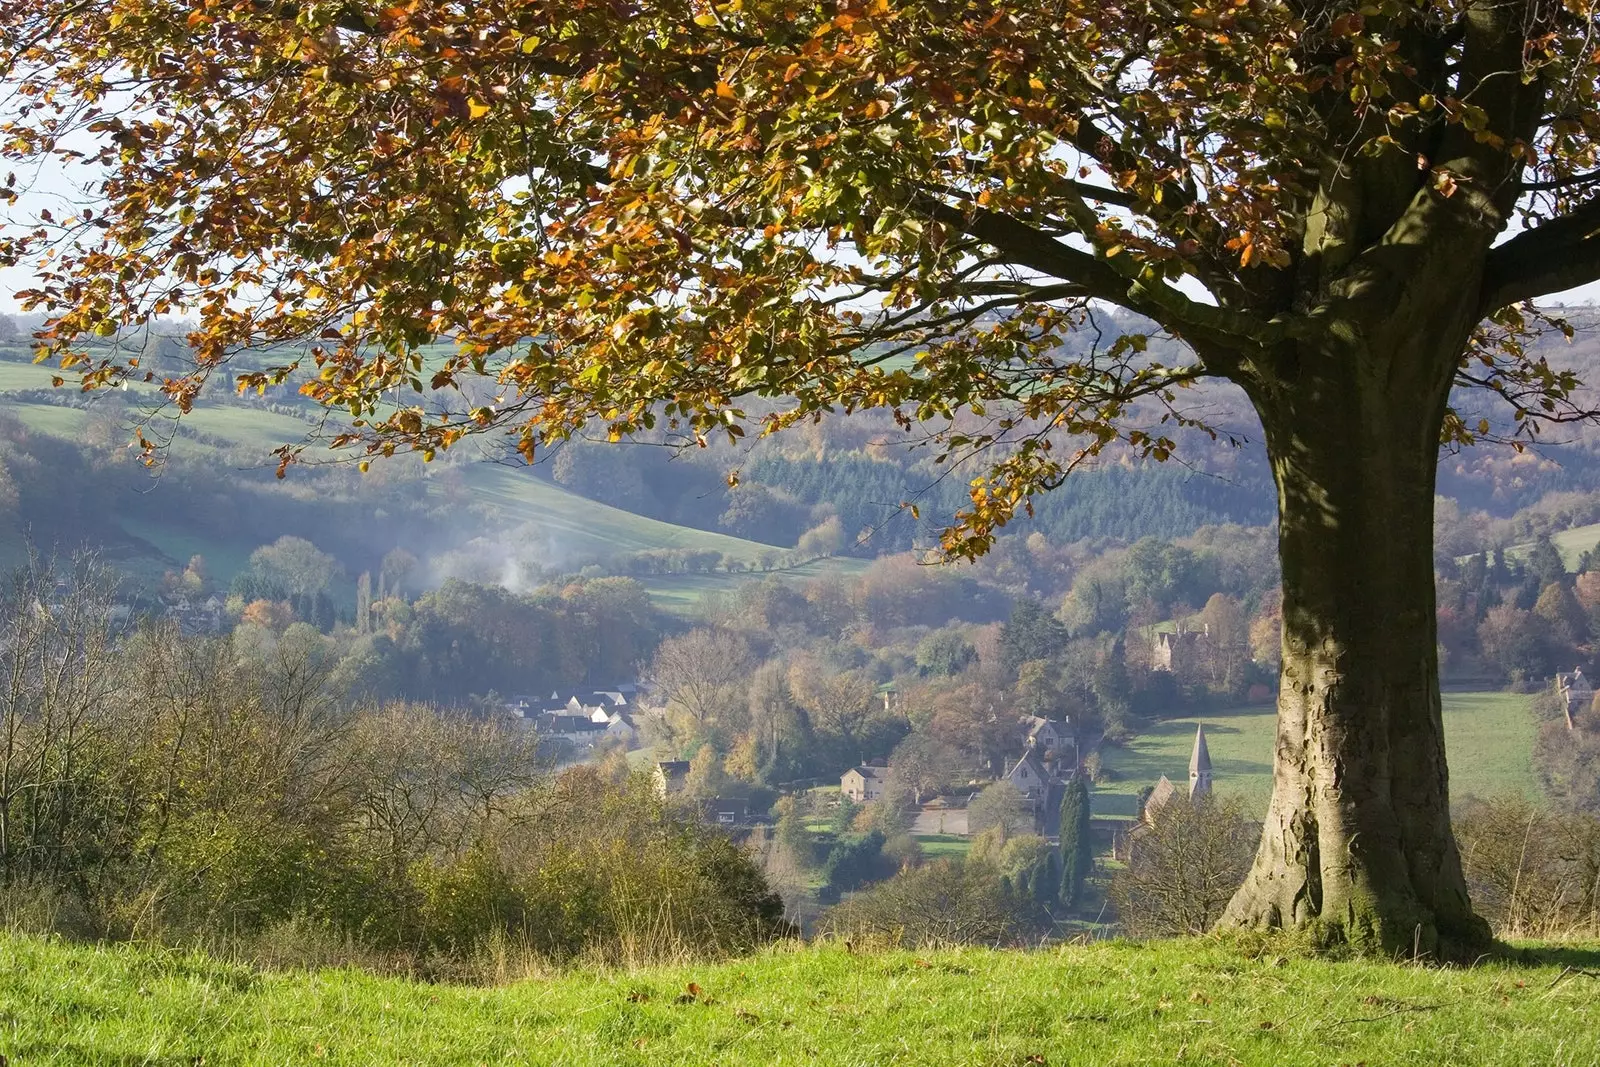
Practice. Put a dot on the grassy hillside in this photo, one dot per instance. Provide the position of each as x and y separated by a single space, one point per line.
1108 1003
499 497
1575 542
1488 740
1571 543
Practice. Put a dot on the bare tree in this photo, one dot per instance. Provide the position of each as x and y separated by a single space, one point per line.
57 638
1000 806
943 903
702 673
840 703
1184 867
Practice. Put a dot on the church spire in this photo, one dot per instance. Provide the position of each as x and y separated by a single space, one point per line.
1199 765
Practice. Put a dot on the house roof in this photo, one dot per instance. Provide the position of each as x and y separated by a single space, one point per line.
870 773
1040 727
673 767
1034 765
1200 759
1160 796
571 724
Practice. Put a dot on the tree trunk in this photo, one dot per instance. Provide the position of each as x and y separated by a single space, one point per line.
1357 844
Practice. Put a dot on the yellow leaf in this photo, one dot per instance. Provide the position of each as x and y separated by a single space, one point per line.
477 108
725 90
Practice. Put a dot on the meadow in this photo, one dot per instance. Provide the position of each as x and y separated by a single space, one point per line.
1575 542
1195 1002
1488 741
504 497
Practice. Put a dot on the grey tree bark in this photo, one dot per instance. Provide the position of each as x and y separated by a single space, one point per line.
1357 842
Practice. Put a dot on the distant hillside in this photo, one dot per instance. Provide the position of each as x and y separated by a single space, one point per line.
589 503
71 479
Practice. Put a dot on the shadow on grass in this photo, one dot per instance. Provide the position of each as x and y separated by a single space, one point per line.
1185 727
1577 957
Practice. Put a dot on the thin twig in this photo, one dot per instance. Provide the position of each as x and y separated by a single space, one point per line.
1567 972
1401 1010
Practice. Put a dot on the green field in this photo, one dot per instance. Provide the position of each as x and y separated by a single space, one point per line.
245 436
524 500
1575 542
682 592
1488 741
1190 1002
944 846
1572 544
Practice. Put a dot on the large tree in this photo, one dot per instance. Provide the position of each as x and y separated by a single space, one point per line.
634 213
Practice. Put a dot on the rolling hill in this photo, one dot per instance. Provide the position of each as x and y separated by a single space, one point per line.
491 500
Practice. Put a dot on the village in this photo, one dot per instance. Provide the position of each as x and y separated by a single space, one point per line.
577 725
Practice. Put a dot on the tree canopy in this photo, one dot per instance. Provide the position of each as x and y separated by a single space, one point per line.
642 214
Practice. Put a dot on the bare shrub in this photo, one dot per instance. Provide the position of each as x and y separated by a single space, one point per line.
940 904
1183 867
1532 872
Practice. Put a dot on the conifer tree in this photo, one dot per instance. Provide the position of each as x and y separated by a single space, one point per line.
1077 851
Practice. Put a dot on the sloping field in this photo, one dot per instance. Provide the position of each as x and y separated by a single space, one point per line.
1572 544
1189 1002
525 500
1488 741
245 436
1575 542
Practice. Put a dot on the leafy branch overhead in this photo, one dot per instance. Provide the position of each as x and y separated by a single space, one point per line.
636 212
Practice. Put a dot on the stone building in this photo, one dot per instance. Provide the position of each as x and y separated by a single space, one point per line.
1576 693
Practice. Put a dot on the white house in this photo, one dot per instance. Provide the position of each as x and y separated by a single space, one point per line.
861 784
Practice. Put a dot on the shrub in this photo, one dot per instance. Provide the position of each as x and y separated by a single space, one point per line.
215 792
1532 872
941 904
855 860
1183 867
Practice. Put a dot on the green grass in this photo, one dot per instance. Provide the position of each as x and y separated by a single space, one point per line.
15 376
1488 741
1575 542
1196 1002
944 846
526 500
48 419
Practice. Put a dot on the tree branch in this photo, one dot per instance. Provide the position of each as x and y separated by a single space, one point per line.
1120 280
1561 254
